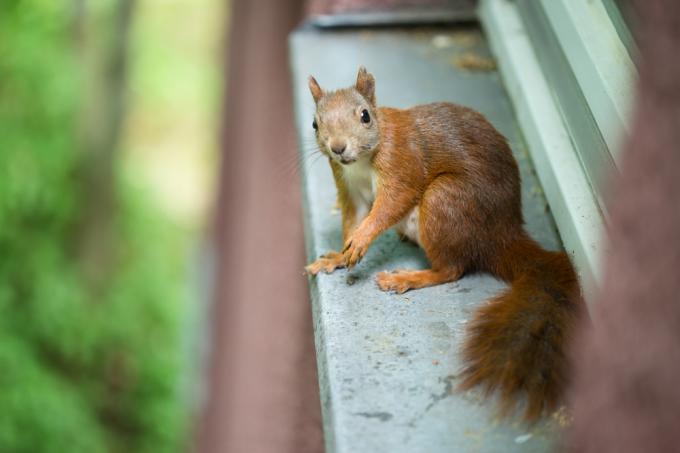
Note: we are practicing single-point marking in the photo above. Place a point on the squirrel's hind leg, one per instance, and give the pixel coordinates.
(404, 280)
(447, 233)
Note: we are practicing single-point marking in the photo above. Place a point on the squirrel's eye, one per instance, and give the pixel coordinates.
(315, 126)
(365, 117)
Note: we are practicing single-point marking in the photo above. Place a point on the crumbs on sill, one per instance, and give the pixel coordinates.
(473, 62)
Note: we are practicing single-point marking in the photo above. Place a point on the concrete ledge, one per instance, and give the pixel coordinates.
(388, 363)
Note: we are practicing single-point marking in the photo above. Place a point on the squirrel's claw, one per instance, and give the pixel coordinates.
(354, 253)
(332, 255)
(355, 248)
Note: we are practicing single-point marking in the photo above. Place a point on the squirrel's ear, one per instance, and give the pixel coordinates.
(366, 85)
(316, 90)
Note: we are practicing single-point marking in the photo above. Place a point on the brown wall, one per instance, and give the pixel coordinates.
(263, 394)
(627, 397)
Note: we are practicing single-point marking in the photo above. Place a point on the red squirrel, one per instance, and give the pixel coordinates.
(446, 179)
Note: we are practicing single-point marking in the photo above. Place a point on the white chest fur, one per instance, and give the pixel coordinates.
(362, 182)
(361, 185)
(409, 226)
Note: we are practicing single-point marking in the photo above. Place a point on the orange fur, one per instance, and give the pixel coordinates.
(451, 164)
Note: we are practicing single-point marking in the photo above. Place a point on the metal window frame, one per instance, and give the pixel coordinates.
(565, 182)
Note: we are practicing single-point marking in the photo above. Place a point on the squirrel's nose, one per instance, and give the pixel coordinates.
(338, 149)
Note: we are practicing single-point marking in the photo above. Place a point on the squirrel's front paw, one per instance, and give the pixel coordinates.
(326, 263)
(355, 249)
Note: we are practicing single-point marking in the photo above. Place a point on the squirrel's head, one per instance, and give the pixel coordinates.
(345, 121)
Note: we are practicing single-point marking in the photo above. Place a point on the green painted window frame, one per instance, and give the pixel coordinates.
(571, 79)
(591, 76)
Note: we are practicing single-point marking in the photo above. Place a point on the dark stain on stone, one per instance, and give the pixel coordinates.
(439, 329)
(465, 290)
(382, 416)
(448, 390)
(351, 279)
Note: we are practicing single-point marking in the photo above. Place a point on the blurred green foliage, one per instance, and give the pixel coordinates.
(80, 369)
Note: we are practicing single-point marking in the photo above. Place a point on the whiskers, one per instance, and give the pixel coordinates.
(308, 154)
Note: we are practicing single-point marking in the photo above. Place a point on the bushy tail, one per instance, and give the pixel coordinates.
(516, 344)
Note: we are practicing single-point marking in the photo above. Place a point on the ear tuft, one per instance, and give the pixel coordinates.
(315, 89)
(366, 85)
